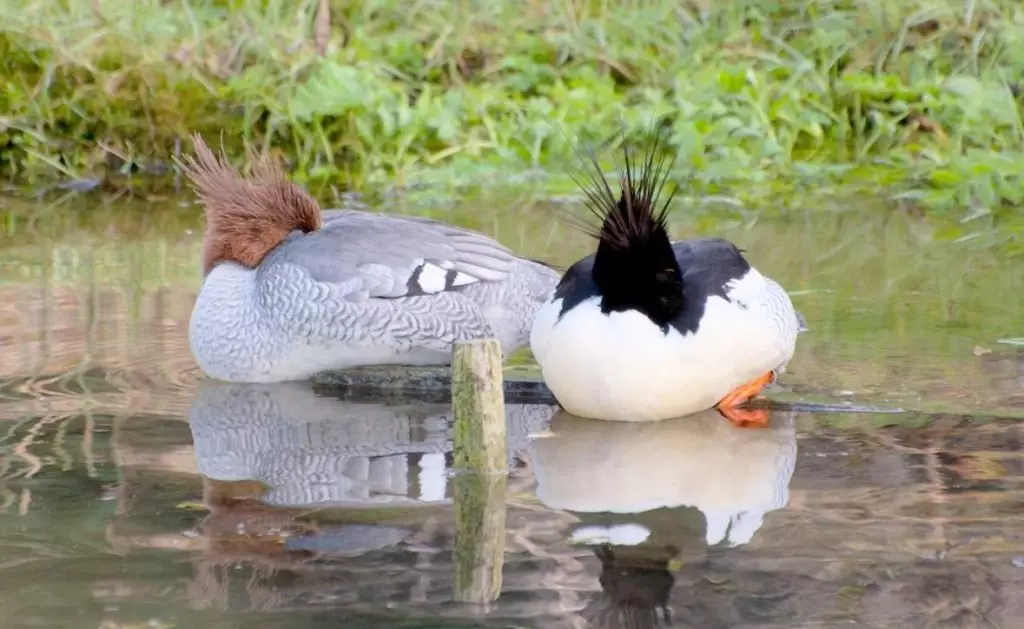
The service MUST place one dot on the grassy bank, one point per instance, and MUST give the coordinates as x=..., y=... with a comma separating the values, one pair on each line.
x=917, y=98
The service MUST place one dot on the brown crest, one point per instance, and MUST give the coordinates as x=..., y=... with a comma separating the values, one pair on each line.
x=246, y=218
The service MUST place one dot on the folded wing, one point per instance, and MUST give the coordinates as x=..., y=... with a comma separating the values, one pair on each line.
x=387, y=256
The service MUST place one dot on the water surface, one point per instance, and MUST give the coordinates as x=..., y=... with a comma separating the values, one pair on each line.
x=134, y=494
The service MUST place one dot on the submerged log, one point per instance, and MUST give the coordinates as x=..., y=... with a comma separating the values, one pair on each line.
x=431, y=383
x=526, y=386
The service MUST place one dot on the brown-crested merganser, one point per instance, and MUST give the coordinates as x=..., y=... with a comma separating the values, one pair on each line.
x=290, y=290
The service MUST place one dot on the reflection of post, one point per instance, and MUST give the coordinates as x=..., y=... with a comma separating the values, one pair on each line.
x=479, y=536
x=480, y=458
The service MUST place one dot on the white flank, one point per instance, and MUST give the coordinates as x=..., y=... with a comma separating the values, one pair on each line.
x=620, y=366
x=461, y=279
x=305, y=361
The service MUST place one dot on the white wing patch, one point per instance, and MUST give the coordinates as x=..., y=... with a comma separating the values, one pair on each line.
x=395, y=257
x=429, y=277
x=461, y=279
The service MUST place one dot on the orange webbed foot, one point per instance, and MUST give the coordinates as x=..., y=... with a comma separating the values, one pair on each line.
x=746, y=417
x=744, y=392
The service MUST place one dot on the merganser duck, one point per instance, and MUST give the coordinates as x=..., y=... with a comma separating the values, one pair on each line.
x=290, y=291
x=648, y=329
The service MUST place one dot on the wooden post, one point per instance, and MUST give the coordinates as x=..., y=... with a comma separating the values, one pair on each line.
x=481, y=466
x=478, y=403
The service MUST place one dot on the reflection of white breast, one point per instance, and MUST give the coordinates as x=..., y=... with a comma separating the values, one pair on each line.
x=312, y=450
x=733, y=475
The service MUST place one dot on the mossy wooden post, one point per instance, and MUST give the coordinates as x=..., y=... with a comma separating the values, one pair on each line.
x=480, y=459
x=478, y=402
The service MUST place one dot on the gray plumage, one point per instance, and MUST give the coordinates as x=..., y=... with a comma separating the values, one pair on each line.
x=364, y=289
x=389, y=253
x=788, y=323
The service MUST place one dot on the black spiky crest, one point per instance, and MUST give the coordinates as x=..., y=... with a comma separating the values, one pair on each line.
x=635, y=267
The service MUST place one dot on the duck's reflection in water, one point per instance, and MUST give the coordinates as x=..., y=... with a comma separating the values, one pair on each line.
x=292, y=476
x=651, y=497
x=634, y=591
x=316, y=451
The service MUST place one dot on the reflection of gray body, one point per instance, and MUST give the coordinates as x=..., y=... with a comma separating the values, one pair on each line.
x=732, y=475
x=365, y=289
x=314, y=450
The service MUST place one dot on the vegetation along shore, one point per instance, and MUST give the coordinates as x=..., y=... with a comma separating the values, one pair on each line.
x=766, y=101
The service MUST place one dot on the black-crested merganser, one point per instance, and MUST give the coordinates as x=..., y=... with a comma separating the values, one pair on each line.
x=648, y=329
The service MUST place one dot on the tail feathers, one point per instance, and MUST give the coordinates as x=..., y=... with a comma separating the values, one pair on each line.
x=801, y=322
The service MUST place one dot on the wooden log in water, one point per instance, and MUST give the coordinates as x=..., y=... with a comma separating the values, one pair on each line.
x=431, y=383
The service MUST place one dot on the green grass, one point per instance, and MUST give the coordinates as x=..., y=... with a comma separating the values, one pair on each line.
x=763, y=99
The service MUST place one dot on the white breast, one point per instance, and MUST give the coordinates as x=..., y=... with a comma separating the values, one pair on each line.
x=620, y=366
x=305, y=360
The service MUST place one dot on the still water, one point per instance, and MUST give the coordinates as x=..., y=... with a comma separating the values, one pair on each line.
x=135, y=494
